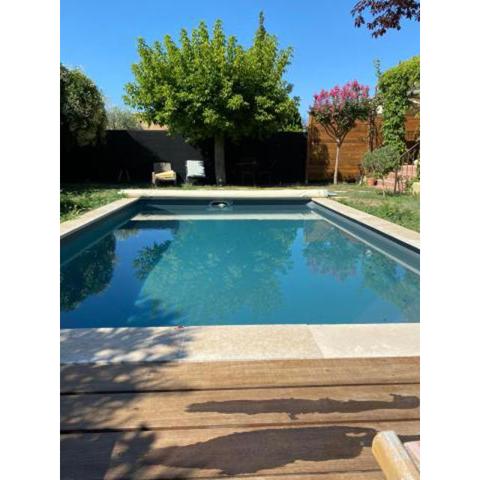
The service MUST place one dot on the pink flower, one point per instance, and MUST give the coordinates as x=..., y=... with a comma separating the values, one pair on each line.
x=339, y=96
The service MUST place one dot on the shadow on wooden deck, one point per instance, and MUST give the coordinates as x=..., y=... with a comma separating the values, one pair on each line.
x=166, y=433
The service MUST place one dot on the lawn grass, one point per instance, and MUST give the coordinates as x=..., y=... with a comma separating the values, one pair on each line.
x=78, y=199
x=403, y=209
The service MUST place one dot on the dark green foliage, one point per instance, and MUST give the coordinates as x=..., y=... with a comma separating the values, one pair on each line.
x=82, y=111
x=395, y=86
x=294, y=123
x=89, y=274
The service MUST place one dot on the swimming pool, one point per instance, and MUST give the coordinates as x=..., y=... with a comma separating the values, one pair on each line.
x=185, y=263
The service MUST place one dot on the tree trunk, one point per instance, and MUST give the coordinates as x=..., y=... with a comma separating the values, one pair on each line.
x=220, y=159
x=337, y=159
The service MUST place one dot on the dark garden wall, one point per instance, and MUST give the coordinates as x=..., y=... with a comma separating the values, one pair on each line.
x=279, y=159
x=128, y=155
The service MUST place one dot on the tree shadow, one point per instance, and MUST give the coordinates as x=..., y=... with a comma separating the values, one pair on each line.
x=92, y=389
x=125, y=344
x=85, y=457
x=121, y=452
x=253, y=451
x=136, y=454
x=295, y=406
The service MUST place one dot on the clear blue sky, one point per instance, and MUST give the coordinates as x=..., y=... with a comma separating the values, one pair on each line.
x=100, y=37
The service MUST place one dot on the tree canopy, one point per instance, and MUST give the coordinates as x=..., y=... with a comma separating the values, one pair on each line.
x=386, y=14
x=209, y=86
x=82, y=110
x=121, y=119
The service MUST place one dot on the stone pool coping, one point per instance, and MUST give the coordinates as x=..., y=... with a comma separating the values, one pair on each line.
x=237, y=343
x=284, y=193
x=92, y=216
x=402, y=234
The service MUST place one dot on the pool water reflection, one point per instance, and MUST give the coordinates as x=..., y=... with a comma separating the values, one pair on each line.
x=224, y=272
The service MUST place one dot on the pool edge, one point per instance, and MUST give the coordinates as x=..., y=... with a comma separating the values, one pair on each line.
x=394, y=231
x=402, y=235
x=238, y=343
x=92, y=216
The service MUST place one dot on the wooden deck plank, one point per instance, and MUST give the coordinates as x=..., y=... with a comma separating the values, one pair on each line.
x=239, y=374
x=251, y=407
x=206, y=453
x=367, y=475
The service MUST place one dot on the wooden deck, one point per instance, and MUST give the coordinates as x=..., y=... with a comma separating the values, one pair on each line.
x=294, y=419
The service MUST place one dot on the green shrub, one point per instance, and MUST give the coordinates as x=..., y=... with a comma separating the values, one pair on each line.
x=395, y=86
x=380, y=162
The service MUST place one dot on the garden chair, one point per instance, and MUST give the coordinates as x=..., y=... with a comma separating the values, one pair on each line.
x=397, y=460
x=162, y=172
x=195, y=170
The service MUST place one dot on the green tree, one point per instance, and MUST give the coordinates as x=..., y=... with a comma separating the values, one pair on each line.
x=395, y=87
x=82, y=110
x=380, y=162
x=209, y=86
x=121, y=119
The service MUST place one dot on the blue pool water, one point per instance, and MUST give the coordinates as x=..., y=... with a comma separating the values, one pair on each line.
x=159, y=269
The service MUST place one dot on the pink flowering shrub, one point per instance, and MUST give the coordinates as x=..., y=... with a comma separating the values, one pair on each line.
x=338, y=109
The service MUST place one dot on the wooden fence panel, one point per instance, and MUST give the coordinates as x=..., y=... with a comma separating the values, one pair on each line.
x=321, y=149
